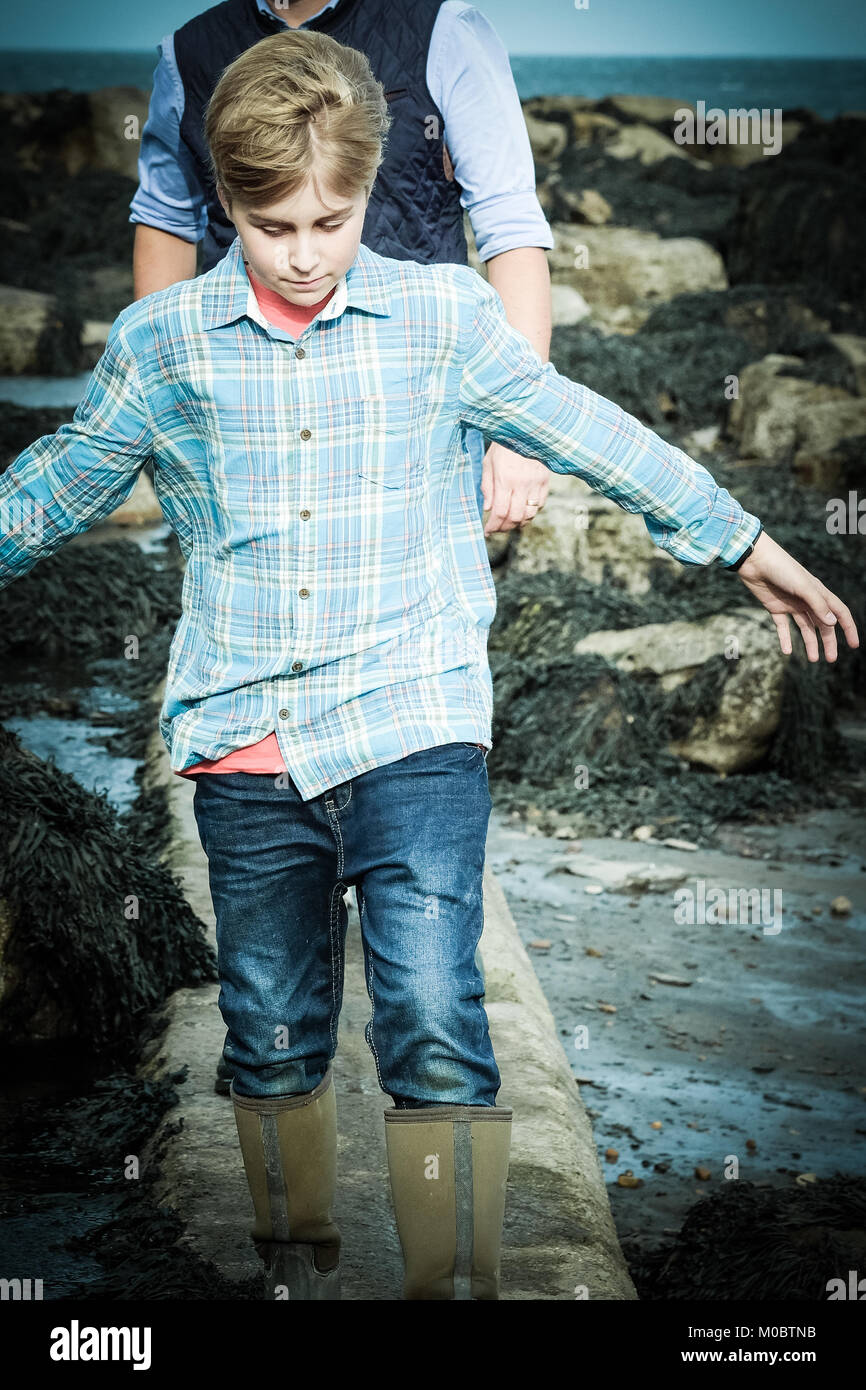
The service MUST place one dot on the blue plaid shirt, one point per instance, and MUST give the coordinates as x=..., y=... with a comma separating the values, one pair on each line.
x=337, y=586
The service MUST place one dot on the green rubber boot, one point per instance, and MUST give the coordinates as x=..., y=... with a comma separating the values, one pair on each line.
x=448, y=1166
x=289, y=1148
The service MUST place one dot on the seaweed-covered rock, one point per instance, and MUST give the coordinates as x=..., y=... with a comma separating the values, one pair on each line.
x=802, y=214
x=782, y=1244
x=578, y=529
x=66, y=131
x=780, y=417
x=96, y=932
x=24, y=315
x=628, y=271
x=736, y=732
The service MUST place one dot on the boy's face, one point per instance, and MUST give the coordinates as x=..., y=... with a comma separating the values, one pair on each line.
x=300, y=239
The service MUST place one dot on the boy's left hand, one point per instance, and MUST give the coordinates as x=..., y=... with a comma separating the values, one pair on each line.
x=514, y=488
x=783, y=586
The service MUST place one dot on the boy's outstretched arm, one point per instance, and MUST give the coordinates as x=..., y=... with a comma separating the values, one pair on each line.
x=784, y=587
x=67, y=481
x=512, y=396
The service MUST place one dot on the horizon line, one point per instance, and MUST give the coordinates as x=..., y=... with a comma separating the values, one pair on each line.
x=740, y=57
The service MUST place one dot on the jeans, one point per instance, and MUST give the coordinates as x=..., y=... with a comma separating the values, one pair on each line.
x=411, y=837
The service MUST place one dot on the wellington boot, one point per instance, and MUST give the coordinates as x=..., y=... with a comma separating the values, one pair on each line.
x=448, y=1166
x=289, y=1148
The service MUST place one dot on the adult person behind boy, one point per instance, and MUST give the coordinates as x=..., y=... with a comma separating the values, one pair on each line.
x=447, y=77
x=309, y=481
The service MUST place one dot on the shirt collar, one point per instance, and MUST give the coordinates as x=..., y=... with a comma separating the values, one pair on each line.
x=266, y=9
x=227, y=294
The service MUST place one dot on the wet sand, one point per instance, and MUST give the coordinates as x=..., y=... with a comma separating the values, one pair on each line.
x=758, y=1053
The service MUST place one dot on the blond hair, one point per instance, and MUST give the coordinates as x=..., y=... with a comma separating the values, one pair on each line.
x=295, y=105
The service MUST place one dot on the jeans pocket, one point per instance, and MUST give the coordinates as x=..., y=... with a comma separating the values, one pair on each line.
x=479, y=747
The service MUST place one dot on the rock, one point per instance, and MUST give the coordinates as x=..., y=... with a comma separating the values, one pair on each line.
x=578, y=529
x=94, y=335
x=651, y=110
x=628, y=272
x=786, y=419
x=75, y=131
x=821, y=459
x=738, y=734
x=738, y=154
x=651, y=879
x=706, y=438
x=841, y=906
x=557, y=108
x=593, y=128
x=629, y=1180
x=763, y=415
x=547, y=138
x=643, y=143
x=567, y=305
x=140, y=509
x=24, y=317
x=854, y=349
x=117, y=115
x=615, y=877
x=566, y=204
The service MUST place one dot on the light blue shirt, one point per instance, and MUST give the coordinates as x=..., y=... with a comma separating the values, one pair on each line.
x=470, y=80
x=337, y=590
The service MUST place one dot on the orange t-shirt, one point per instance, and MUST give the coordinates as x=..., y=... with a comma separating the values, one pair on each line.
x=265, y=755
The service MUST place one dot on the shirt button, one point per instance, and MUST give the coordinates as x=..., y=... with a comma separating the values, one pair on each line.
x=297, y=665
x=284, y=714
x=304, y=593
x=304, y=515
x=299, y=352
x=305, y=434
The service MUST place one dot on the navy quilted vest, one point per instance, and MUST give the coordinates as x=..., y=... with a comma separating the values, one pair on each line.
x=414, y=211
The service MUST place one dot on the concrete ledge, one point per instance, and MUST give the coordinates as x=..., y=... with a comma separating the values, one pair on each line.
x=559, y=1234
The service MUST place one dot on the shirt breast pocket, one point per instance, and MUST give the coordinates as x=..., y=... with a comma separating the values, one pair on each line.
x=393, y=446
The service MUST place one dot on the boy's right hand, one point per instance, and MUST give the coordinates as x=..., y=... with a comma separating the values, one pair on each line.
x=783, y=586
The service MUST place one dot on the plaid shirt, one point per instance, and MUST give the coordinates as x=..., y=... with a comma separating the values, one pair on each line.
x=337, y=586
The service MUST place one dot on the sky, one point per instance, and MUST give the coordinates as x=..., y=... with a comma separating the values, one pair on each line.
x=777, y=28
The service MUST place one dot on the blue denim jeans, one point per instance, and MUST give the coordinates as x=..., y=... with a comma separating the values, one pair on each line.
x=411, y=837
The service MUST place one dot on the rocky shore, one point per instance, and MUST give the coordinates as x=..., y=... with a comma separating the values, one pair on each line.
x=714, y=292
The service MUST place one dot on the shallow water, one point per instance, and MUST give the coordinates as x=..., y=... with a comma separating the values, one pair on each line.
x=44, y=391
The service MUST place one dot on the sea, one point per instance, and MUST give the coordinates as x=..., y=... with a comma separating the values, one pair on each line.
x=829, y=86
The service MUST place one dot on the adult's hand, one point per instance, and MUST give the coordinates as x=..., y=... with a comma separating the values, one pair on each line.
x=514, y=488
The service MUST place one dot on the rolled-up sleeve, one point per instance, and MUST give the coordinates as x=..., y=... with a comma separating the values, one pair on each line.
x=169, y=194
x=485, y=132
x=67, y=481
x=527, y=405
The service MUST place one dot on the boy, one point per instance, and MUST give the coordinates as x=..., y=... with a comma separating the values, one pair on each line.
x=332, y=645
